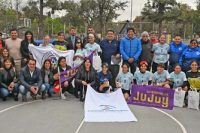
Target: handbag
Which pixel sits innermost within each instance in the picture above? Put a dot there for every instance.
(193, 99)
(179, 97)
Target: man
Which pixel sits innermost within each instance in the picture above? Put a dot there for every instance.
(146, 54)
(72, 38)
(61, 43)
(13, 44)
(110, 48)
(46, 42)
(153, 38)
(91, 30)
(130, 48)
(176, 49)
(2, 43)
(31, 80)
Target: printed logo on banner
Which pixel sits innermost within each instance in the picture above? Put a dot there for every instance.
(51, 56)
(107, 108)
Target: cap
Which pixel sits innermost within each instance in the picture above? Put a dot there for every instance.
(143, 63)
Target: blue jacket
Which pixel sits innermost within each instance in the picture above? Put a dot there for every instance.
(176, 52)
(109, 49)
(130, 48)
(189, 55)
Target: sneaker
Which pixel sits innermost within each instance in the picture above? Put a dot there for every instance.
(24, 98)
(4, 98)
(63, 97)
(43, 95)
(16, 98)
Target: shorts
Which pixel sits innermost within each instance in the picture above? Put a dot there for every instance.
(126, 91)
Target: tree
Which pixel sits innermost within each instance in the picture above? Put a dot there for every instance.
(35, 10)
(157, 11)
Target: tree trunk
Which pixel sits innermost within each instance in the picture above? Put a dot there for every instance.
(41, 20)
(160, 28)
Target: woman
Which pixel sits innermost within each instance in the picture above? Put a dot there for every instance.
(178, 78)
(124, 80)
(47, 77)
(8, 80)
(79, 55)
(85, 75)
(146, 54)
(193, 76)
(62, 67)
(5, 55)
(104, 78)
(190, 54)
(143, 77)
(26, 55)
(161, 77)
(160, 52)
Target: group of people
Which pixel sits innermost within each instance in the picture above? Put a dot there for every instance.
(145, 61)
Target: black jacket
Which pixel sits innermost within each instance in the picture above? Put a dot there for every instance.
(24, 49)
(71, 46)
(6, 79)
(89, 77)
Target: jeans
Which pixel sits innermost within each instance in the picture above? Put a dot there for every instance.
(23, 90)
(4, 92)
(47, 87)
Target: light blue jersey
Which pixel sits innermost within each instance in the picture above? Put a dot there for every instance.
(125, 79)
(160, 53)
(162, 77)
(143, 78)
(81, 53)
(178, 79)
(93, 47)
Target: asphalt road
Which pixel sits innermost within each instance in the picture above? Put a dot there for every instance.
(65, 116)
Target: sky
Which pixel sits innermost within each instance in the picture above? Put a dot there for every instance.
(139, 4)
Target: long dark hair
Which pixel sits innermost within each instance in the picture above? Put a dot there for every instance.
(25, 38)
(59, 60)
(78, 41)
(91, 67)
(8, 59)
(47, 60)
(3, 50)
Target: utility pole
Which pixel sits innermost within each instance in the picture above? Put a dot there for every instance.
(131, 18)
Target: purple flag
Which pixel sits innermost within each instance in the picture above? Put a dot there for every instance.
(68, 74)
(152, 96)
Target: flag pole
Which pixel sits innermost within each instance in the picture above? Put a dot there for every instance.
(60, 82)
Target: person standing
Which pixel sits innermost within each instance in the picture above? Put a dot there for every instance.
(191, 53)
(26, 55)
(175, 51)
(91, 30)
(130, 48)
(153, 38)
(13, 44)
(160, 53)
(146, 54)
(2, 43)
(46, 42)
(72, 39)
(110, 49)
(61, 43)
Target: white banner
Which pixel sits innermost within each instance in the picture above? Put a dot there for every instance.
(109, 107)
(43, 53)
